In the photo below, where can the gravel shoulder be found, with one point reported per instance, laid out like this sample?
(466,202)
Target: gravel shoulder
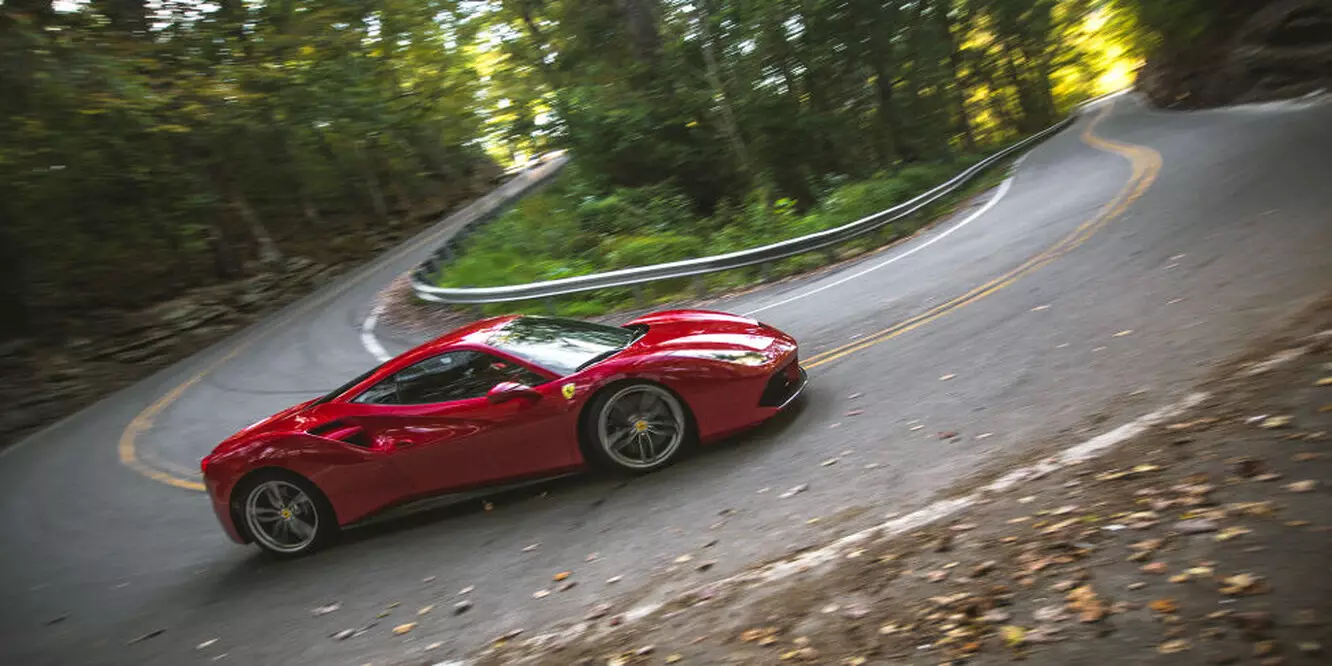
(1203,540)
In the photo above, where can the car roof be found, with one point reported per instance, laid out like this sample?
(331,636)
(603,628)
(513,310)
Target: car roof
(476,333)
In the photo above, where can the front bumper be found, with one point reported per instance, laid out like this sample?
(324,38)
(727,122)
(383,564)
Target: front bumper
(784,386)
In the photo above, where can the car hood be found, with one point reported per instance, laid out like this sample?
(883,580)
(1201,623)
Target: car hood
(296,418)
(703,330)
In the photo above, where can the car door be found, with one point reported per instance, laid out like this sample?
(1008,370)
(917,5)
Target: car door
(440,430)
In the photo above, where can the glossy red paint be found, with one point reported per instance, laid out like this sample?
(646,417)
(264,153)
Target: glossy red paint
(368,457)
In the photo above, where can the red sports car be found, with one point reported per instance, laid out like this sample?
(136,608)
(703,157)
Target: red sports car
(499,401)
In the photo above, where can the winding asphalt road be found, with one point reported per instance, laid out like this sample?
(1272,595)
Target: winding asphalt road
(1128,254)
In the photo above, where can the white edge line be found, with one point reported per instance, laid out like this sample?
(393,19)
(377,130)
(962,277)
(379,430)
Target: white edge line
(368,339)
(999,194)
(927,515)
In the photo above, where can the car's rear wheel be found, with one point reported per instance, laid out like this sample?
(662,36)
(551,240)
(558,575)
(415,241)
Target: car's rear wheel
(638,427)
(286,515)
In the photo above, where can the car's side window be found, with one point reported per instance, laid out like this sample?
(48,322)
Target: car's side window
(457,375)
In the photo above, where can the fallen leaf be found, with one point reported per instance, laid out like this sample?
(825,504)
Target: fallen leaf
(1196,526)
(1323,381)
(1154,568)
(487,506)
(1301,486)
(462,607)
(947,377)
(853,396)
(425,609)
(985,435)
(614,579)
(1039,308)
(541,594)
(531,547)
(705,565)
(947,434)
(325,610)
(1137,585)
(205,644)
(508,635)
(568,585)
(936,576)
(1232,532)
(434,646)
(794,491)
(1239,584)
(674,658)
(466,590)
(828,463)
(916,427)
(1272,422)
(1174,646)
(1310,647)
(1013,635)
(683,558)
(403,628)
(597,612)
(1164,606)
(1127,331)
(855,412)
(561,576)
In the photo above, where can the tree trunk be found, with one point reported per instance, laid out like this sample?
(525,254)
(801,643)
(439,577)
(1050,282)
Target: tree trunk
(641,23)
(269,254)
(371,184)
(729,126)
(957,91)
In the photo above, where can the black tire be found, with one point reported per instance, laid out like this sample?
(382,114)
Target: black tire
(294,522)
(653,442)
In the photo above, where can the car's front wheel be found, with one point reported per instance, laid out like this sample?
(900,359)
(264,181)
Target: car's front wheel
(286,514)
(638,427)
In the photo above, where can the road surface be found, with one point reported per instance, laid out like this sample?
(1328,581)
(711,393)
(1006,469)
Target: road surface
(1127,255)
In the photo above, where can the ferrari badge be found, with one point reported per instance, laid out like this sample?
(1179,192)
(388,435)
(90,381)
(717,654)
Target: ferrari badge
(568,390)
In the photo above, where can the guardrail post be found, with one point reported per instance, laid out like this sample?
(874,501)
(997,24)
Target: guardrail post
(830,254)
(700,287)
(638,295)
(550,304)
(765,271)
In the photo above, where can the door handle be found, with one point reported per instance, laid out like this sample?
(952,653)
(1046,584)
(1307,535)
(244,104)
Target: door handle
(403,444)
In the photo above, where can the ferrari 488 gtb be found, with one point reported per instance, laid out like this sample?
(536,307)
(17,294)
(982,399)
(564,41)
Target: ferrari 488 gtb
(499,401)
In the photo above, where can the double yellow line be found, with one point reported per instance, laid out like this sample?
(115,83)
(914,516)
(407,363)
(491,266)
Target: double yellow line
(1146,166)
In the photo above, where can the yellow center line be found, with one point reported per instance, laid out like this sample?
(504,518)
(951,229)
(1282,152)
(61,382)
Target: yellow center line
(1146,164)
(127,447)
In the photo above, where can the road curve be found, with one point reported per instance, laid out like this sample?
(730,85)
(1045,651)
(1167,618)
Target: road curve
(1128,254)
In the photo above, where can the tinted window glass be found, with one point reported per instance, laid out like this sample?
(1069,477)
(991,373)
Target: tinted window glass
(453,376)
(560,345)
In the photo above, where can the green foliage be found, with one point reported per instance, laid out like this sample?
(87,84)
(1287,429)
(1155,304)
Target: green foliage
(139,157)
(544,237)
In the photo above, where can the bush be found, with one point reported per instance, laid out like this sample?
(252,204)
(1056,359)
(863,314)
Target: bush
(568,230)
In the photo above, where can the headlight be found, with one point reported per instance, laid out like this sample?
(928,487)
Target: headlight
(748,358)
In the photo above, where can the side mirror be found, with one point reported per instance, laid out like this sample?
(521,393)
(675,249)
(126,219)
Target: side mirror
(506,391)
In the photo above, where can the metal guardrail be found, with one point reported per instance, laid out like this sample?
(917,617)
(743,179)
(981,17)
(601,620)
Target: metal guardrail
(722,262)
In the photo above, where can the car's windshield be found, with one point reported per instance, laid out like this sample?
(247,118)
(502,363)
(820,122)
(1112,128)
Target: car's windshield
(347,387)
(563,346)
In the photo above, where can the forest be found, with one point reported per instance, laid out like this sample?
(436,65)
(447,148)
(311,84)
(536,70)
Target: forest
(150,147)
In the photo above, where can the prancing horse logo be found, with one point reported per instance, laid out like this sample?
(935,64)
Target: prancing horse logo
(568,391)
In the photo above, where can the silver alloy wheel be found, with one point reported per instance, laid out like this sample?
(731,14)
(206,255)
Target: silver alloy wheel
(281,516)
(641,426)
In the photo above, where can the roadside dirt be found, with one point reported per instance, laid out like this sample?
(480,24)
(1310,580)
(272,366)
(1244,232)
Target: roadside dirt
(1204,540)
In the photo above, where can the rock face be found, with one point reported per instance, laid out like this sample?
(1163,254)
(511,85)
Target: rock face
(1250,52)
